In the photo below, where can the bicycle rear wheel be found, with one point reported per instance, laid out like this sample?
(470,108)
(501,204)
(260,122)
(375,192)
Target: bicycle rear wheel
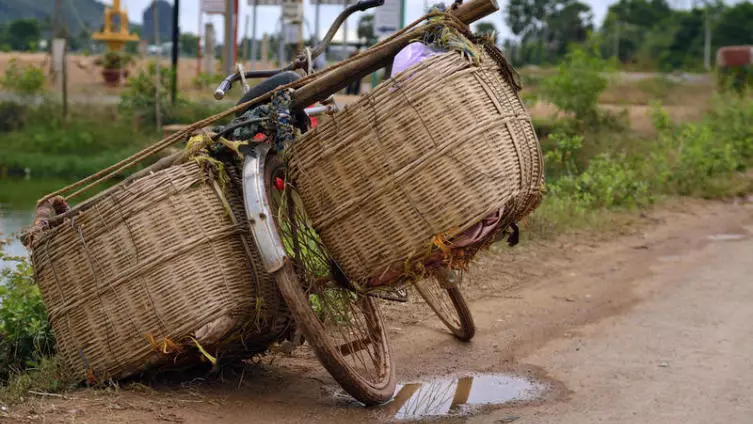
(342,326)
(442,292)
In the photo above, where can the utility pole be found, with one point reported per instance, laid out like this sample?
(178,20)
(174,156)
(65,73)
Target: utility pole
(707,41)
(229,4)
(345,32)
(245,42)
(158,81)
(54,34)
(55,19)
(176,46)
(281,43)
(254,44)
(316,21)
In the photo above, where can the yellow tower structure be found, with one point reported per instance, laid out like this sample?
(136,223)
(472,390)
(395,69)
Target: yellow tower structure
(115,38)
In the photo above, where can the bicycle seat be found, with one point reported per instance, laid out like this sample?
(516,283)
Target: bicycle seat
(268,85)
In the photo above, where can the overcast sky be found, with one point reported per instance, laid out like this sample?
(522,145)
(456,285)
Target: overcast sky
(269,15)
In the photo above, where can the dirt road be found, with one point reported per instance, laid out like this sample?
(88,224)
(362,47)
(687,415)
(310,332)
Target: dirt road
(652,326)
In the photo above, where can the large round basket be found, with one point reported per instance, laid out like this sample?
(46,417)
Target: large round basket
(428,153)
(155,271)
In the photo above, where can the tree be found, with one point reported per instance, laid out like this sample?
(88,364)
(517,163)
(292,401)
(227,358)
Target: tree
(631,21)
(366,29)
(189,44)
(734,26)
(486,28)
(548,26)
(570,24)
(23,34)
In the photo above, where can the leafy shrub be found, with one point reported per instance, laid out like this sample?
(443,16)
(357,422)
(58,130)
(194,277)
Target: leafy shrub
(24,81)
(47,375)
(139,98)
(609,181)
(114,60)
(578,84)
(562,159)
(688,159)
(12,116)
(25,335)
(75,147)
(205,80)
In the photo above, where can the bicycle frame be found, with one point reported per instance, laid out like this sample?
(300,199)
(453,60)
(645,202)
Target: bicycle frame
(258,210)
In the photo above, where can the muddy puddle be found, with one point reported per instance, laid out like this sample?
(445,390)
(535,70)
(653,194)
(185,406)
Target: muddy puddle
(456,396)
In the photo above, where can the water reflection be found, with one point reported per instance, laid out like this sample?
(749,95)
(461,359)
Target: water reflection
(457,396)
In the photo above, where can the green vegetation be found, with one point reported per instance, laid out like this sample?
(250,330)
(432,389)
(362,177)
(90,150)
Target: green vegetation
(594,166)
(23,81)
(39,139)
(642,34)
(27,345)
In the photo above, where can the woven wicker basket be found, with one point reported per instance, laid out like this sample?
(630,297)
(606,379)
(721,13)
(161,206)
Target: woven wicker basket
(132,275)
(429,152)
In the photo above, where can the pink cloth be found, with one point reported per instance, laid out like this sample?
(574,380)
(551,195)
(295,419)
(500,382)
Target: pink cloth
(479,231)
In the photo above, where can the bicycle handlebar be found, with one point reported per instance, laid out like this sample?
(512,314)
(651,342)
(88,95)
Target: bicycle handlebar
(334,80)
(302,60)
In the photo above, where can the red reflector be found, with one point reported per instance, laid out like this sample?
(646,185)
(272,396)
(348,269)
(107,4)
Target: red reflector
(279,183)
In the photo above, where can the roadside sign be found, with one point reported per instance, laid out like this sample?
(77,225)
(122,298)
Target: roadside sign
(58,55)
(292,33)
(388,18)
(213,6)
(292,10)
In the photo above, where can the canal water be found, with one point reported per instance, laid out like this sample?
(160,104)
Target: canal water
(17,200)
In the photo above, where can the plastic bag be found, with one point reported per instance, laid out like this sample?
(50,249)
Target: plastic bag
(410,55)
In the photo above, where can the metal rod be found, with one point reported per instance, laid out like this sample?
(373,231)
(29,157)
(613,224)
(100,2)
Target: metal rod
(228,48)
(236,13)
(158,80)
(254,43)
(176,47)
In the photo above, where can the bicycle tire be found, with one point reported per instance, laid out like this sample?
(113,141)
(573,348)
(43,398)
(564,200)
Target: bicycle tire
(368,386)
(455,315)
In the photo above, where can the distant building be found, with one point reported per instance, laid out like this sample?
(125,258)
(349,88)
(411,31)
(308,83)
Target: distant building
(165,24)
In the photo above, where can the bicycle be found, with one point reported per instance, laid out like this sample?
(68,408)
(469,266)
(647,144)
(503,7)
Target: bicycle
(340,321)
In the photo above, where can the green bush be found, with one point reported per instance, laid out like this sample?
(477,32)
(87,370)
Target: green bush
(139,98)
(578,84)
(689,159)
(90,139)
(12,116)
(25,335)
(24,81)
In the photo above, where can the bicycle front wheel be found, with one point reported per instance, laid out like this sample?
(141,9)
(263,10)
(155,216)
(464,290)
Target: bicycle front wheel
(342,325)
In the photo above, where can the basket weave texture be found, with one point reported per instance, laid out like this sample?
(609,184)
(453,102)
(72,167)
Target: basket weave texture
(137,272)
(429,152)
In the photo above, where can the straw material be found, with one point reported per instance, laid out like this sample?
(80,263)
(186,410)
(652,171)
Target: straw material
(156,271)
(427,153)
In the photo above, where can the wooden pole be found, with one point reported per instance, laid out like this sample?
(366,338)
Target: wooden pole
(176,47)
(254,43)
(236,13)
(65,78)
(157,82)
(228,68)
